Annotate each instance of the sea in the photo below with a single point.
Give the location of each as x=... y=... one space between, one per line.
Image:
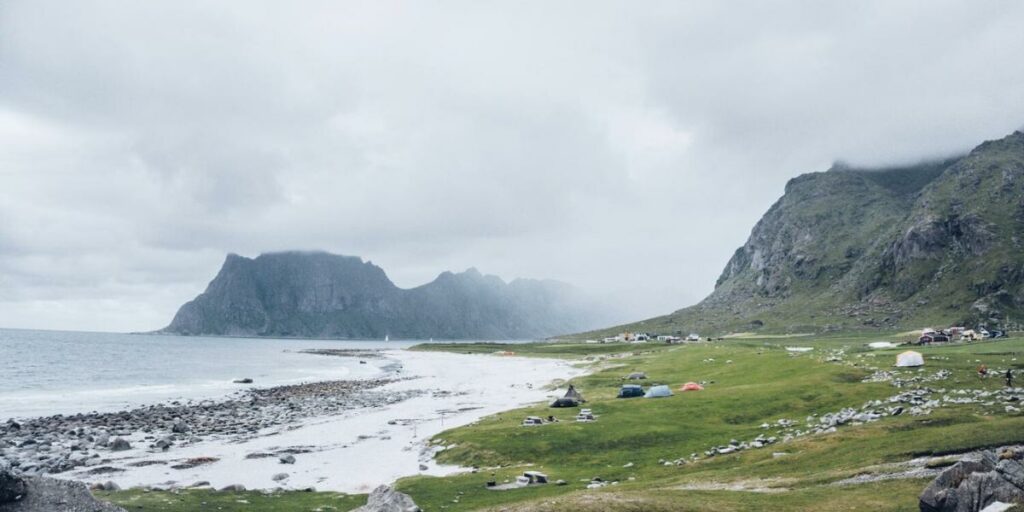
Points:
x=58 y=372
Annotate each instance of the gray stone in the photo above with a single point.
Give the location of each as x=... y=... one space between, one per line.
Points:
x=971 y=485
x=120 y=444
x=386 y=499
x=280 y=476
x=233 y=488
x=44 y=494
x=287 y=459
x=12 y=487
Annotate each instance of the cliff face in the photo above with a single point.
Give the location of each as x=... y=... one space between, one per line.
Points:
x=323 y=295
x=936 y=243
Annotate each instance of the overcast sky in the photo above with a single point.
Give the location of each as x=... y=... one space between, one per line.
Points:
x=627 y=148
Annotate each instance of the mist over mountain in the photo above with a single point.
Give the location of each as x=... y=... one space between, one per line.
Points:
x=938 y=243
x=322 y=295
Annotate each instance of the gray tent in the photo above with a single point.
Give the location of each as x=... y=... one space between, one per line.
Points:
x=572 y=393
x=658 y=392
x=637 y=376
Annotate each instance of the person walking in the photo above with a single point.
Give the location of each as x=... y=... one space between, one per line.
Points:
x=1009 y=377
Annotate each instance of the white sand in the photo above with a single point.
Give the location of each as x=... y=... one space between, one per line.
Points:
x=340 y=460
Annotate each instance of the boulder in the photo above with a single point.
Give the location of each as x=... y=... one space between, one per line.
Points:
x=287 y=459
x=12 y=487
x=233 y=488
x=120 y=444
x=972 y=485
x=386 y=499
x=43 y=494
x=280 y=476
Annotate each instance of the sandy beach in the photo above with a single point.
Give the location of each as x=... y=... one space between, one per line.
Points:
x=347 y=436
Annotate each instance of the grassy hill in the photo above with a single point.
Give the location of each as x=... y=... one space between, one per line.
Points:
x=750 y=382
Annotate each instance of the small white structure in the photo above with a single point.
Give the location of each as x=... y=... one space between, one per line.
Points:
x=799 y=349
x=876 y=345
x=909 y=359
x=693 y=337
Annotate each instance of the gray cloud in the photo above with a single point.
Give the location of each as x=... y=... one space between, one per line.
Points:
x=626 y=149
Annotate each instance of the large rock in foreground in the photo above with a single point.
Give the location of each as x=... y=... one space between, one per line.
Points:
x=973 y=484
x=42 y=494
x=386 y=499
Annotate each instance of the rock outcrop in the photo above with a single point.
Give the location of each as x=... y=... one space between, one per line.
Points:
x=935 y=243
x=973 y=484
x=386 y=499
x=43 y=494
x=321 y=295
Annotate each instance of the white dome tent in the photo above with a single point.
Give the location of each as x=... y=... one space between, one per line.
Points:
x=910 y=358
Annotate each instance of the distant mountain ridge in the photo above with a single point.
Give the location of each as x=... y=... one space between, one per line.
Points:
x=937 y=244
x=323 y=295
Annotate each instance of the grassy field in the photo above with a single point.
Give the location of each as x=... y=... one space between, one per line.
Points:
x=750 y=381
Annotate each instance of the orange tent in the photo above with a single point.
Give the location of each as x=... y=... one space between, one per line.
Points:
x=691 y=386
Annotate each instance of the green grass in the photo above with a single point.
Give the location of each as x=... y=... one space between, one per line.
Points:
x=254 y=501
x=762 y=383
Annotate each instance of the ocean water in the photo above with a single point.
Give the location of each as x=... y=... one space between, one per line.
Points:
x=51 y=372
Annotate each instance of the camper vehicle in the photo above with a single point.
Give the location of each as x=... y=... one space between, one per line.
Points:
x=969 y=335
x=532 y=420
x=693 y=337
x=585 y=415
x=630 y=391
x=996 y=334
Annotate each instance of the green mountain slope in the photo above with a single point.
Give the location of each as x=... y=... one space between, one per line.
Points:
x=932 y=244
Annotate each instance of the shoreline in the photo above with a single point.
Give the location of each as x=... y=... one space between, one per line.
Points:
x=293 y=436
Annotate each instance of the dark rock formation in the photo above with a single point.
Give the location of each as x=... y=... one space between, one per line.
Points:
x=43 y=494
x=878 y=248
x=971 y=485
x=321 y=295
x=386 y=499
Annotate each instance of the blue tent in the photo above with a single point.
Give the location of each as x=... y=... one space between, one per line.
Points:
x=658 y=392
x=631 y=391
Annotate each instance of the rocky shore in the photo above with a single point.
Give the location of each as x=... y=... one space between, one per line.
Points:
x=87 y=443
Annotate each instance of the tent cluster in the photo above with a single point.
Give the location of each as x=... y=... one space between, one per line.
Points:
x=656 y=391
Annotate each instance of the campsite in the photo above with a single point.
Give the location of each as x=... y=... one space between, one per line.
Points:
x=640 y=445
x=771 y=430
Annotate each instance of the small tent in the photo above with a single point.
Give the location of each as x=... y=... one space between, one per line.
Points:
x=637 y=376
x=565 y=402
x=630 y=391
x=572 y=393
x=910 y=358
x=691 y=386
x=658 y=392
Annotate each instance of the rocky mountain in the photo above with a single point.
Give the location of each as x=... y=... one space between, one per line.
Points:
x=322 y=295
x=938 y=243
